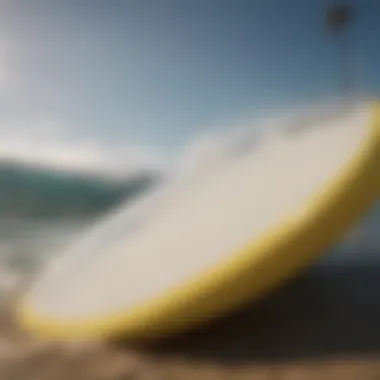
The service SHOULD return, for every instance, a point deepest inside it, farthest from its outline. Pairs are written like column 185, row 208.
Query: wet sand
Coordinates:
column 322, row 325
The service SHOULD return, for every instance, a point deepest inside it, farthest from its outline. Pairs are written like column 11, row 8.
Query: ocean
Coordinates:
column 42, row 210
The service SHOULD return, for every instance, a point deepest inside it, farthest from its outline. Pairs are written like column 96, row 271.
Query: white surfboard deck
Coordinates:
column 171, row 259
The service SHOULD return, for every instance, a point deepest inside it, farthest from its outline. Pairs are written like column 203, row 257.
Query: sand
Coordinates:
column 322, row 325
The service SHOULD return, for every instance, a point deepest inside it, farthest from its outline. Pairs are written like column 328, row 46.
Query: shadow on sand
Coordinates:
column 331, row 309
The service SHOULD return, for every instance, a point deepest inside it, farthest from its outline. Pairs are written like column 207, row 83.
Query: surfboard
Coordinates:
column 201, row 250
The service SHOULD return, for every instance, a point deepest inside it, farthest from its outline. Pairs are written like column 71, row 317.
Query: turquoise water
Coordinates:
column 42, row 210
column 34, row 193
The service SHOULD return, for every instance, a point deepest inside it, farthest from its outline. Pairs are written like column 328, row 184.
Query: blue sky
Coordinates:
column 148, row 74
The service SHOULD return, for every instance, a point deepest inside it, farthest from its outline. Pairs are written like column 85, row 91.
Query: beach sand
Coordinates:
column 322, row 325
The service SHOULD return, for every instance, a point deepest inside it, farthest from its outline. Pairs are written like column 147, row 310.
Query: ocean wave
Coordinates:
column 35, row 193
column 43, row 209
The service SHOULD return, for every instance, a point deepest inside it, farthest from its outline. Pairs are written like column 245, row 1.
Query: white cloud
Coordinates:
column 9, row 78
column 32, row 135
column 76, row 155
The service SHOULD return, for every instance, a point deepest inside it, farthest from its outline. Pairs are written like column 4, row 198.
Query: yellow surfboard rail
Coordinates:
column 250, row 273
